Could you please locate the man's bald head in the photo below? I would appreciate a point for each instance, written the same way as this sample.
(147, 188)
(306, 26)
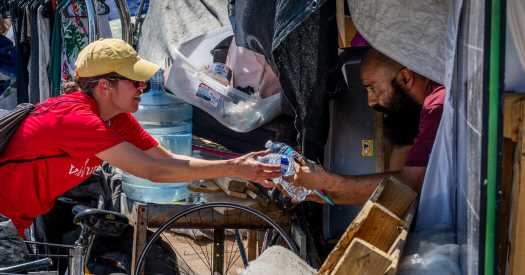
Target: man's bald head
(376, 62)
(386, 81)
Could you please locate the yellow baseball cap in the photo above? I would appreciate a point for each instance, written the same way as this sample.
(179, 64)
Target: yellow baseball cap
(111, 55)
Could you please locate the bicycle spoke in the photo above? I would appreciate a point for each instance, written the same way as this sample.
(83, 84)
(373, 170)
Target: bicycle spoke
(221, 218)
(205, 261)
(178, 256)
(206, 247)
(242, 250)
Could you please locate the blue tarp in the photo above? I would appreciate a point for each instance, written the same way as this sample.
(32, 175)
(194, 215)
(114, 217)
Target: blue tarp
(133, 6)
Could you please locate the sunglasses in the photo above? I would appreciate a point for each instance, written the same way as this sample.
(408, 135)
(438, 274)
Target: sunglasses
(136, 84)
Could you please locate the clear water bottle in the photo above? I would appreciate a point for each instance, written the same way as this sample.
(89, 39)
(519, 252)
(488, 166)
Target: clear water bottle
(297, 193)
(287, 150)
(283, 149)
(169, 120)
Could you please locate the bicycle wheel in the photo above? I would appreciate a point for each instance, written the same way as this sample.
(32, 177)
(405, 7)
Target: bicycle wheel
(215, 238)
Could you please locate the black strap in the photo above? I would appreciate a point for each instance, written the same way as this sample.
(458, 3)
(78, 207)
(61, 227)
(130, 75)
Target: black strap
(38, 112)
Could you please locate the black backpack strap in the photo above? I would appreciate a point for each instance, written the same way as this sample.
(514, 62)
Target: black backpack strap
(15, 117)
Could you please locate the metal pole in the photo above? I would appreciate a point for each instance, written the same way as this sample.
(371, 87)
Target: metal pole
(125, 20)
(76, 260)
(93, 30)
(494, 131)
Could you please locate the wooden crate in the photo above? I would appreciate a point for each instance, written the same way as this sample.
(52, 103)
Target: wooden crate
(373, 242)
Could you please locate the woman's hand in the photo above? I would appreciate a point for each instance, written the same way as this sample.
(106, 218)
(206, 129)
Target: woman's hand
(247, 167)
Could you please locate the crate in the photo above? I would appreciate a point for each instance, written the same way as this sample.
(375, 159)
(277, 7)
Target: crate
(374, 241)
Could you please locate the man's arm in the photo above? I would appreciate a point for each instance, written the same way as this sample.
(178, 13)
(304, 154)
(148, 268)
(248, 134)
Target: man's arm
(159, 165)
(354, 189)
(398, 157)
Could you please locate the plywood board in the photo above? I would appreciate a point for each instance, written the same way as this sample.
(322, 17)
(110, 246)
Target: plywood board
(362, 258)
(517, 245)
(394, 195)
(513, 116)
(345, 27)
(380, 228)
(374, 224)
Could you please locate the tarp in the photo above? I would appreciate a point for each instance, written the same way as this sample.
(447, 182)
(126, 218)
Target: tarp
(410, 32)
(169, 22)
(262, 25)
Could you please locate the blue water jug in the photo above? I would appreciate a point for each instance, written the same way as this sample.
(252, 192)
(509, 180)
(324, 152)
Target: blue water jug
(169, 120)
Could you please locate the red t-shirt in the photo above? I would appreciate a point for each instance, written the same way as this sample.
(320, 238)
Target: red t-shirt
(428, 124)
(69, 125)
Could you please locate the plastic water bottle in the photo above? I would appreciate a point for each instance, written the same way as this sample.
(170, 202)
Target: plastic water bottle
(283, 149)
(297, 193)
(169, 120)
(286, 150)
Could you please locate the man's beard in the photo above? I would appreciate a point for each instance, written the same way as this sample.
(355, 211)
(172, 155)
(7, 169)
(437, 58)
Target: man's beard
(400, 101)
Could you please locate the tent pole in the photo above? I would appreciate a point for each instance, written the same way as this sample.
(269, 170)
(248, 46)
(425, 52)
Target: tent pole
(493, 133)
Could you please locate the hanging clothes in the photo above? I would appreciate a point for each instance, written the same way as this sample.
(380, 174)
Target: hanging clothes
(46, 49)
(44, 37)
(71, 37)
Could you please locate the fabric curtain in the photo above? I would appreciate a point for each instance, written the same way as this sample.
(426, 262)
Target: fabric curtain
(410, 32)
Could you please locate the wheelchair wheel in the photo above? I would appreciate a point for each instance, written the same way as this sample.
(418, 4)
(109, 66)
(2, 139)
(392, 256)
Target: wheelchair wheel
(215, 238)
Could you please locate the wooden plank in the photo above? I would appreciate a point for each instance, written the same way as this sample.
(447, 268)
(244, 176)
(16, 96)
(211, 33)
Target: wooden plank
(380, 228)
(345, 240)
(234, 185)
(513, 115)
(140, 232)
(362, 258)
(345, 27)
(233, 188)
(374, 224)
(206, 186)
(252, 245)
(517, 253)
(504, 210)
(395, 196)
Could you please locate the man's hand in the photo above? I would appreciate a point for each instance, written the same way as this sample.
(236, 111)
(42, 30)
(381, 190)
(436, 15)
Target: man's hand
(311, 176)
(247, 167)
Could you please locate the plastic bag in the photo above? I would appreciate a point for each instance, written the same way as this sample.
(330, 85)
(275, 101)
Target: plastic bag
(431, 252)
(233, 108)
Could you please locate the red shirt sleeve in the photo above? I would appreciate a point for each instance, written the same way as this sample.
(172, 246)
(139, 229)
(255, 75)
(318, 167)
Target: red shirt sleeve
(85, 134)
(127, 127)
(428, 125)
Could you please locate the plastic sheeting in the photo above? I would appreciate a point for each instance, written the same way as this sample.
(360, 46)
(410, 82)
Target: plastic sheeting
(433, 252)
(451, 190)
(233, 108)
(410, 32)
(515, 47)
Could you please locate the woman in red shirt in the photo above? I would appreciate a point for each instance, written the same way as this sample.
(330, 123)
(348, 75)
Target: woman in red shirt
(65, 139)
